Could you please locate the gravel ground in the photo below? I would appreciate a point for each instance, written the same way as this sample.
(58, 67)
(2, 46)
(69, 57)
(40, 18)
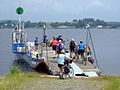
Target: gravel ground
(54, 83)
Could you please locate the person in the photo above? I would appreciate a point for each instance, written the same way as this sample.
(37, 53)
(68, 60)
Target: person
(54, 45)
(76, 52)
(72, 45)
(81, 49)
(90, 59)
(88, 54)
(60, 46)
(68, 55)
(45, 40)
(87, 50)
(59, 38)
(36, 43)
(61, 60)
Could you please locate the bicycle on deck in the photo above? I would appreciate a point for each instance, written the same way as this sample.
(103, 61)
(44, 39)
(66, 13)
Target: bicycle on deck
(68, 70)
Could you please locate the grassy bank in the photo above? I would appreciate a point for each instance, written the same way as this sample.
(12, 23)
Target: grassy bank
(35, 81)
(112, 82)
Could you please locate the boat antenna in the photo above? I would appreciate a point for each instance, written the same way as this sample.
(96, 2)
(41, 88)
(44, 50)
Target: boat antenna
(19, 11)
(44, 35)
(89, 38)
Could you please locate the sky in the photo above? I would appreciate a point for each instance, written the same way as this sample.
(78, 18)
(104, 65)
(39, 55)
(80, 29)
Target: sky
(61, 10)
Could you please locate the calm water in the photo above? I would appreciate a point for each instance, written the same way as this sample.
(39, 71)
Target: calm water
(106, 43)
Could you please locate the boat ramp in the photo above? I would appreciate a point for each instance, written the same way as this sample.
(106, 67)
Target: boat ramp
(80, 69)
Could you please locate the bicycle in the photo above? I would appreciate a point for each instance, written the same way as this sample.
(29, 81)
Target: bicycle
(68, 70)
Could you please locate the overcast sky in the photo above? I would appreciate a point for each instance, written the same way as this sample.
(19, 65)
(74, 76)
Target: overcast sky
(61, 10)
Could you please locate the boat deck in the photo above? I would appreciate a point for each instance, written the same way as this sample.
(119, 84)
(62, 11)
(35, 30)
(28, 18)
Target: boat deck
(52, 63)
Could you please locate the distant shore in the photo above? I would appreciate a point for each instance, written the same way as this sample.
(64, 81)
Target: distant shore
(67, 28)
(74, 24)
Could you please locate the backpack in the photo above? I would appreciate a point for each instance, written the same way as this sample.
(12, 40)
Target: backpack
(72, 44)
(60, 46)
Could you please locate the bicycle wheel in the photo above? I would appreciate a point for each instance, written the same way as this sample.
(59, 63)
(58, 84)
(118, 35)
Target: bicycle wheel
(71, 72)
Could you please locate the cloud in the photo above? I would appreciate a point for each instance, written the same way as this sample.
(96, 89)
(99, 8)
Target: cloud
(59, 9)
(43, 6)
(97, 3)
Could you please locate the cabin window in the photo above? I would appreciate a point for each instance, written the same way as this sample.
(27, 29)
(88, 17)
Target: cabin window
(19, 37)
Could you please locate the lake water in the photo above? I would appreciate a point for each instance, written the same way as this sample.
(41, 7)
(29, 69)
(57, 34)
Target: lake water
(106, 42)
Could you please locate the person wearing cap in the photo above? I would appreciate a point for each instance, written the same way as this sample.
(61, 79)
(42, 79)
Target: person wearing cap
(72, 45)
(61, 60)
(60, 46)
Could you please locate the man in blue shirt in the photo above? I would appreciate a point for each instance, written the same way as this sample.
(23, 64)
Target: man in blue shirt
(81, 49)
(36, 43)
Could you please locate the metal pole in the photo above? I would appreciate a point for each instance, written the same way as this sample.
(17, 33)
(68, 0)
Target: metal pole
(87, 42)
(93, 48)
(42, 41)
(44, 28)
(47, 54)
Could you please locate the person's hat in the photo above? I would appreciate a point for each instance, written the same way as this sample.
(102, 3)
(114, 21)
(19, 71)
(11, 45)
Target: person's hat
(81, 41)
(66, 50)
(72, 39)
(60, 41)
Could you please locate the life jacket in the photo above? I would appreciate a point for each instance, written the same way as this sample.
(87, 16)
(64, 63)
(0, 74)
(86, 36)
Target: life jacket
(36, 42)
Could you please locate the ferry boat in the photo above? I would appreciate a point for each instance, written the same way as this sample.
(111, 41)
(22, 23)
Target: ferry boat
(42, 59)
(26, 50)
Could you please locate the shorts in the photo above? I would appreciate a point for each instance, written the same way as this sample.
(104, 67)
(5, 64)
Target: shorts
(36, 46)
(71, 49)
(59, 51)
(54, 47)
(60, 65)
(81, 52)
(76, 52)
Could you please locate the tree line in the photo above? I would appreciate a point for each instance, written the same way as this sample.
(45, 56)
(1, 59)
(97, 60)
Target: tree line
(81, 23)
